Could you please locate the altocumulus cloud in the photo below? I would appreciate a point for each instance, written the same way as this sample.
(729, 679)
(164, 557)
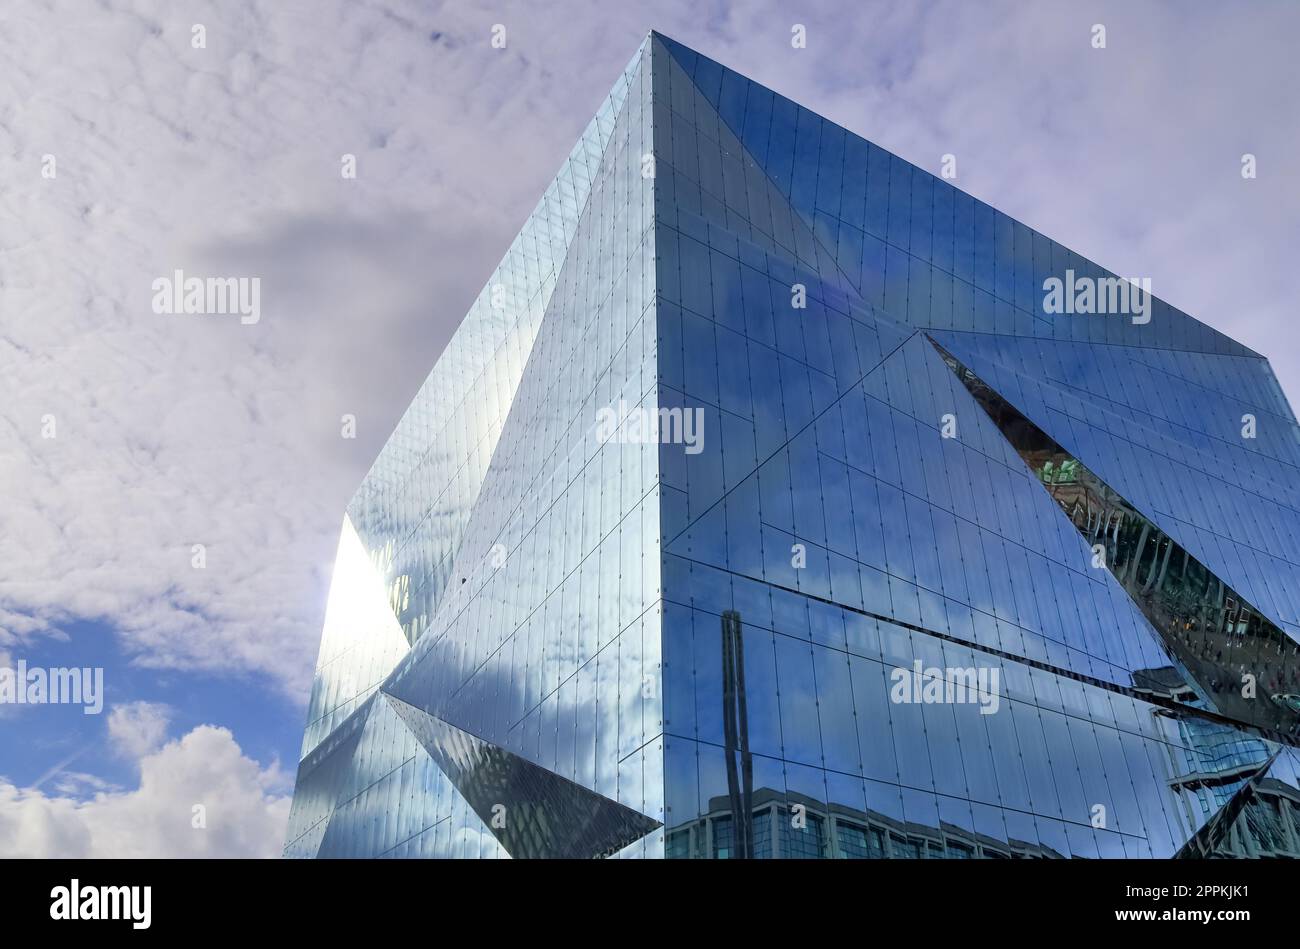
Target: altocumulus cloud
(175, 431)
(244, 807)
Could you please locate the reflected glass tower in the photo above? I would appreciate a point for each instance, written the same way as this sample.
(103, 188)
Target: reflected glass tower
(776, 499)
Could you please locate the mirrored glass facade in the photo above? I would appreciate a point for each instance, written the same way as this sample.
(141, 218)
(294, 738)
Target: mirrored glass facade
(878, 558)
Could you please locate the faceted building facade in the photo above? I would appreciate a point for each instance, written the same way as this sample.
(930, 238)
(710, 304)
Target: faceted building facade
(765, 504)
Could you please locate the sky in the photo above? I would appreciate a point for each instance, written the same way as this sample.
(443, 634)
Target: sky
(128, 437)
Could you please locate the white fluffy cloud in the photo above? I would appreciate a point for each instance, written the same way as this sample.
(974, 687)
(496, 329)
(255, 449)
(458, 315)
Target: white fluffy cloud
(138, 728)
(244, 807)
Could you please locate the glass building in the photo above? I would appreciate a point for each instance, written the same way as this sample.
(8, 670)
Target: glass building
(766, 504)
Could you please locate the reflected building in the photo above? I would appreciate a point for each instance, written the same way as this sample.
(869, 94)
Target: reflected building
(761, 507)
(794, 826)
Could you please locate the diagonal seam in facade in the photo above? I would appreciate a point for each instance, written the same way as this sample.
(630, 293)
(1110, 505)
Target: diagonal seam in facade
(764, 506)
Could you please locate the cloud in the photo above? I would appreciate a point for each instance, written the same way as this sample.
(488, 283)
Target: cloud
(171, 432)
(138, 728)
(79, 784)
(244, 807)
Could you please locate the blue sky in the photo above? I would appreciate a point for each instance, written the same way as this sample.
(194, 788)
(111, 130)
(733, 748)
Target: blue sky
(38, 738)
(225, 159)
